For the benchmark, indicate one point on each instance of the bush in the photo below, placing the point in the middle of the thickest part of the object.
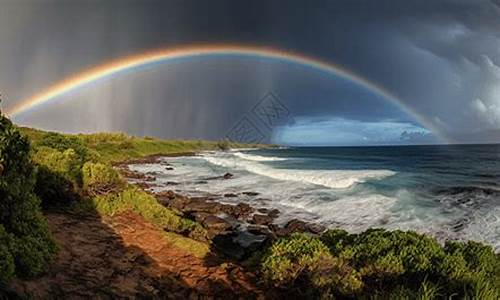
(382, 264)
(63, 142)
(26, 245)
(7, 266)
(223, 145)
(59, 176)
(302, 261)
(99, 179)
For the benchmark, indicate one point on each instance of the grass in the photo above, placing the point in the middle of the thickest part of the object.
(145, 205)
(196, 248)
(116, 147)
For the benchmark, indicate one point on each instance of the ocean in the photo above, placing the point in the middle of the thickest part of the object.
(450, 192)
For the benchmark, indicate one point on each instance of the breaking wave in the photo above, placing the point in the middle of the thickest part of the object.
(335, 179)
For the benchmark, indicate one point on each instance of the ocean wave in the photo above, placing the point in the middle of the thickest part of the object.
(254, 157)
(329, 178)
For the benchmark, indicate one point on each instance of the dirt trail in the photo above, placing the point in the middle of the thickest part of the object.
(126, 257)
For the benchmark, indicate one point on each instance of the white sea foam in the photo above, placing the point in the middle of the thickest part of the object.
(254, 157)
(329, 178)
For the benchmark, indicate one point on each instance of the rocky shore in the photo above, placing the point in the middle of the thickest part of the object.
(235, 231)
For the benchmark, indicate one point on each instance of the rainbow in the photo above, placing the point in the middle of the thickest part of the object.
(169, 54)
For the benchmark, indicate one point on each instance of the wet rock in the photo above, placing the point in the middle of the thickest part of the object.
(225, 244)
(225, 176)
(169, 168)
(149, 178)
(274, 213)
(258, 229)
(296, 225)
(230, 195)
(252, 194)
(131, 174)
(199, 216)
(261, 219)
(239, 211)
(316, 228)
(166, 194)
(216, 225)
(263, 210)
(153, 173)
(172, 183)
(144, 185)
(201, 182)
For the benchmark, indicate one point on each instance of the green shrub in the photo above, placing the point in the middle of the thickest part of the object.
(381, 264)
(100, 179)
(7, 266)
(66, 163)
(303, 261)
(224, 145)
(26, 240)
(59, 176)
(64, 142)
(145, 205)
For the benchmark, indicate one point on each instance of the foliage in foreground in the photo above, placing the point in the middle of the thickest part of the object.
(382, 263)
(25, 242)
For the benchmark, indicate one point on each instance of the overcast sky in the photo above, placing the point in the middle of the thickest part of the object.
(441, 58)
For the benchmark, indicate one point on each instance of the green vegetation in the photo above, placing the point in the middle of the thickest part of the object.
(115, 147)
(101, 179)
(26, 246)
(402, 265)
(145, 205)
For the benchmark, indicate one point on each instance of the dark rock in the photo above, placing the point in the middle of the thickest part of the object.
(199, 216)
(166, 194)
(201, 206)
(127, 173)
(240, 211)
(263, 211)
(294, 226)
(230, 195)
(258, 230)
(172, 183)
(316, 228)
(169, 168)
(216, 225)
(225, 176)
(144, 185)
(153, 173)
(274, 213)
(225, 244)
(149, 178)
(261, 219)
(250, 193)
(201, 182)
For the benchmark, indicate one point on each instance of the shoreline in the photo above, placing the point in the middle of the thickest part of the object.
(235, 230)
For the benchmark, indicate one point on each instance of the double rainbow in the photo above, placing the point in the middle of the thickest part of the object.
(169, 54)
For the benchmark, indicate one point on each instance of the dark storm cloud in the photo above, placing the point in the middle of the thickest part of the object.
(441, 57)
